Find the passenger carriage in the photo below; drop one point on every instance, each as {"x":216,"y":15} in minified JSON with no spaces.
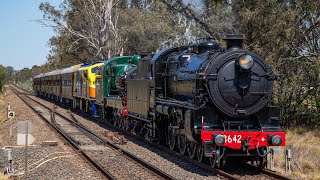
{"x":67,"y":84}
{"x":54,"y":78}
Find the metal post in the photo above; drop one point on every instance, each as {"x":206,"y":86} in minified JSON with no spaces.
{"x":288,"y":159}
{"x":271,"y":158}
{"x":10,"y":169}
{"x":289,"y":166}
{"x":26,"y":154}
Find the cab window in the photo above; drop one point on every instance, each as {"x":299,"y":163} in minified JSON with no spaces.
{"x":95,"y":70}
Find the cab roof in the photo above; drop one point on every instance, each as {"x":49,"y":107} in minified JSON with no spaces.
{"x":85,"y":67}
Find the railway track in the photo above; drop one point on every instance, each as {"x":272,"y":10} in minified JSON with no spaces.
{"x":259,"y":174}
{"x":110,"y":159}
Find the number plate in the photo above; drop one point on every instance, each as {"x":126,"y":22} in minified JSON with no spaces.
{"x":233,"y":138}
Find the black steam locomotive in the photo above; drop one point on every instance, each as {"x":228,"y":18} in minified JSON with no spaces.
{"x":206,"y":101}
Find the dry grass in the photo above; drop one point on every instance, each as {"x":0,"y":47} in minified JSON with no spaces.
{"x":3,"y":177}
{"x":2,"y":104}
{"x":305,"y":146}
{"x":3,"y":110}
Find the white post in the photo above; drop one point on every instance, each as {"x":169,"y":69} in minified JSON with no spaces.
{"x":288,"y":159}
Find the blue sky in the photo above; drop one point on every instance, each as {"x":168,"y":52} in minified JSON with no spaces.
{"x":23,"y":42}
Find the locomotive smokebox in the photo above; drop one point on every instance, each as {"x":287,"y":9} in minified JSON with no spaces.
{"x":234,"y":41}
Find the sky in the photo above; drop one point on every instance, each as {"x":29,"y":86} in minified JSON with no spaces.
{"x":23,"y":42}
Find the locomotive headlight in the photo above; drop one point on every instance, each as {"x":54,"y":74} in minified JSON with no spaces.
{"x":274,"y":140}
{"x":219,"y":139}
{"x":246,"y":62}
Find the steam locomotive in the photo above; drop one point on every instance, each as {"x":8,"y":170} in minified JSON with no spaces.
{"x":206,"y":101}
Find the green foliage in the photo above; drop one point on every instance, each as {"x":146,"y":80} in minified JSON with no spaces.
{"x":144,"y":31}
{"x":25,"y":75}
{"x":286,"y":33}
{"x":27,"y":85}
{"x":3,"y":74}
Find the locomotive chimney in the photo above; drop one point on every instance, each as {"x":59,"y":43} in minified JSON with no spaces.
{"x":234,"y":41}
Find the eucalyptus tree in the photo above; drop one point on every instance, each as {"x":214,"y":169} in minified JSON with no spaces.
{"x":88,"y":24}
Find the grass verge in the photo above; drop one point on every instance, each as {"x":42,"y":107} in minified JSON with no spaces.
{"x":3,"y":177}
{"x":305,"y":147}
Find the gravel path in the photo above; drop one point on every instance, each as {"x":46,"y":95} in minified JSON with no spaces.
{"x":44,"y":162}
